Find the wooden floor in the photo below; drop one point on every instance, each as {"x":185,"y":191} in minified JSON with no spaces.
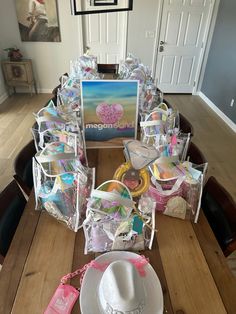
{"x":216,"y":140}
{"x":16,"y":119}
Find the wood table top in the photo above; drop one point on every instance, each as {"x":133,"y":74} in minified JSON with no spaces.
{"x":187,"y":259}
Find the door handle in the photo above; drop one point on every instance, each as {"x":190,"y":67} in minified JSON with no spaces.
{"x":162,"y":42}
{"x":87,"y":50}
{"x":161,"y":48}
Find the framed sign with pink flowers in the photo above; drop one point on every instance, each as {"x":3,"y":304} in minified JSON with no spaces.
{"x":109,"y":111}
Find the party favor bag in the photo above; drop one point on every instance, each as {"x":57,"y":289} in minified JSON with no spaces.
{"x":177,"y":190}
{"x":112,"y":223}
{"x":50,"y":117}
{"x":62,"y":184}
{"x":173,"y":145}
{"x":157,"y":123}
{"x":74,"y":140}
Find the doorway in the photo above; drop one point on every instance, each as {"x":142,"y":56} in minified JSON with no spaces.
{"x":106,"y":34}
{"x":184,"y":27}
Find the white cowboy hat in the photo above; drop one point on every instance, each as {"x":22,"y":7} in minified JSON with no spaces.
{"x":120,"y":288}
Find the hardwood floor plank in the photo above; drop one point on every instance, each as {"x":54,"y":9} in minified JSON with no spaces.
{"x":213,"y":136}
{"x":16,"y":119}
{"x":14,"y":262}
{"x":189,"y":256}
{"x":35,"y":277}
{"x":215,"y":258}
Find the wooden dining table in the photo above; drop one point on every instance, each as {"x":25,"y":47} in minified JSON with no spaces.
{"x":191,"y":268}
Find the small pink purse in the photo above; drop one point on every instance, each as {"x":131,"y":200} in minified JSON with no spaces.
{"x":63,"y":300}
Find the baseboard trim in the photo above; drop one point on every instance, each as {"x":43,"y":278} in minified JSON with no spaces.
{"x":220,"y":113}
{"x":45,"y":90}
{"x":40,"y":91}
{"x":3,"y":97}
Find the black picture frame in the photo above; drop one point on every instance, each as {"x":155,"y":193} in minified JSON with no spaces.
{"x":103,"y":2}
{"x":78,"y":7}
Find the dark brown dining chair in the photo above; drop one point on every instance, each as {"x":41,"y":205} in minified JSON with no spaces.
{"x":108,"y":68}
{"x":195,"y":155}
{"x":220,"y":211}
{"x":23,"y":167}
{"x":55,"y":90}
{"x":168,"y":104}
{"x":185,"y":125}
{"x":54,"y":99}
{"x":12,"y":204}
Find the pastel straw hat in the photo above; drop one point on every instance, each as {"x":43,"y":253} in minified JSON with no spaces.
{"x":120,"y":289}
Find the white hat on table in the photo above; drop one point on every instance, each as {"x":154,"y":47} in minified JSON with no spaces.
{"x":120,"y":289}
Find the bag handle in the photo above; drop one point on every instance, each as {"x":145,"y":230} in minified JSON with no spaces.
{"x":49,"y":158}
{"x":111,"y":196}
{"x":47,"y":119}
{"x":174,"y":188}
{"x":150,"y":123}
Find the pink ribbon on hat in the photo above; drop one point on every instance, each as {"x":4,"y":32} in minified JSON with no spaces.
{"x":139,"y":264}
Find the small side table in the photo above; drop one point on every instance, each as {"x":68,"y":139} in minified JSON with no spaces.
{"x":19,"y":73}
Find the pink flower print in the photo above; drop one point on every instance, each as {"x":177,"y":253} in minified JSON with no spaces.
{"x":109,"y":114}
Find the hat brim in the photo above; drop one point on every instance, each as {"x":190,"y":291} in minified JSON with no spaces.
{"x":89,"y":300}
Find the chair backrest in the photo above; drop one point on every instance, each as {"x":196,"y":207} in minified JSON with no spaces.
{"x":195,"y":155}
{"x":168,"y":104}
{"x":220,"y":210}
{"x":23,"y":167}
{"x":185,"y":125}
{"x":108,"y":68}
{"x":12,"y":204}
{"x":54,"y":99}
{"x":55,"y":89}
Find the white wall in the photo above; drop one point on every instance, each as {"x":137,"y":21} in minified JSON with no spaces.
{"x":3,"y":94}
{"x":143,"y":19}
{"x":50,"y":59}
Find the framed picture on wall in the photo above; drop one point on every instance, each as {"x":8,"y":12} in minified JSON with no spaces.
{"x":103,"y":2}
{"x":109,"y":111}
{"x":79,"y":7}
{"x":38,"y":20}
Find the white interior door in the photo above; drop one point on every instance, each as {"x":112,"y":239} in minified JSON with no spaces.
{"x":183,"y":31}
{"x":105,"y":35}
